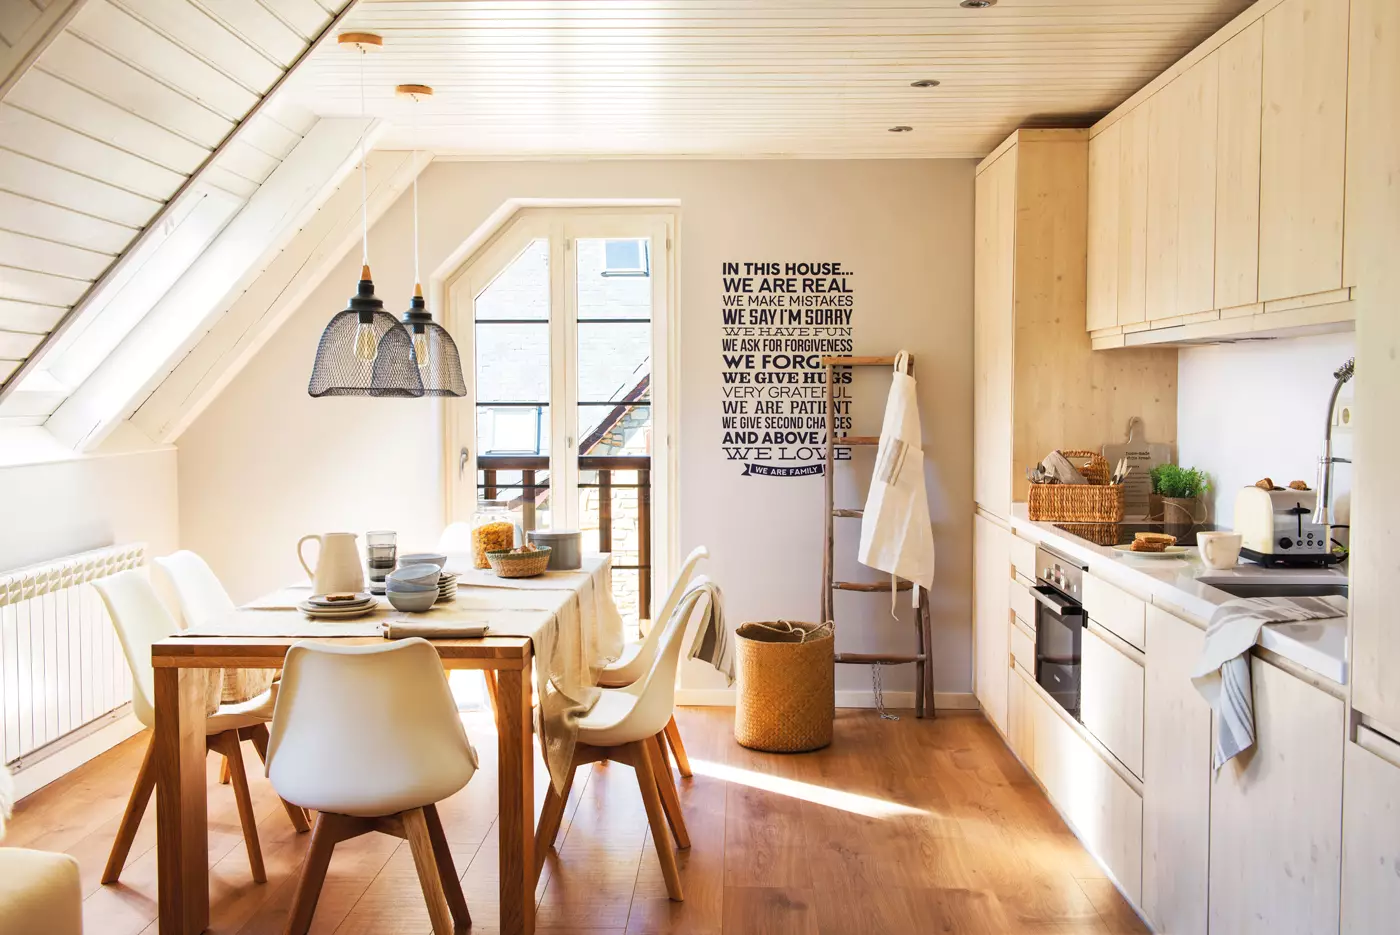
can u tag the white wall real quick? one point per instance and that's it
(1256, 409)
(265, 464)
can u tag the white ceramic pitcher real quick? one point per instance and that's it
(338, 568)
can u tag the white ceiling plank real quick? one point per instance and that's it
(7, 367)
(27, 316)
(24, 285)
(307, 17)
(104, 26)
(18, 57)
(46, 256)
(17, 345)
(22, 175)
(195, 30)
(216, 176)
(42, 139)
(27, 216)
(289, 113)
(234, 259)
(266, 134)
(16, 16)
(256, 314)
(68, 105)
(257, 26)
(247, 161)
(110, 78)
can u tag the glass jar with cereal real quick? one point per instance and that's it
(493, 529)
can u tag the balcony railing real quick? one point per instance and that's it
(533, 486)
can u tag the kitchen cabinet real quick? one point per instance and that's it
(1105, 158)
(991, 614)
(1111, 696)
(1165, 112)
(1371, 836)
(1132, 217)
(1303, 148)
(1176, 780)
(1240, 110)
(1115, 609)
(1037, 383)
(1198, 102)
(1276, 815)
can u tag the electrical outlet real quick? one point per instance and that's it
(1344, 416)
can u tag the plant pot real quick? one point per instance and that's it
(1181, 514)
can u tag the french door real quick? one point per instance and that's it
(563, 321)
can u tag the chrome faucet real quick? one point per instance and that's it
(1322, 516)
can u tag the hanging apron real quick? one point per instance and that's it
(896, 535)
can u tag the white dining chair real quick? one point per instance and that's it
(637, 657)
(626, 726)
(140, 619)
(369, 737)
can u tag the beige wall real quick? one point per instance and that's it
(265, 464)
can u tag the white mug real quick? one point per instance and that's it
(1219, 549)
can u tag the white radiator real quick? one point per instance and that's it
(61, 666)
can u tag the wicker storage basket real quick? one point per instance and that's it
(508, 564)
(1095, 502)
(787, 686)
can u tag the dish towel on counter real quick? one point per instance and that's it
(713, 642)
(896, 535)
(1222, 672)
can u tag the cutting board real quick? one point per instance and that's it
(1142, 456)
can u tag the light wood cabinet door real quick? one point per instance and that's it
(1104, 161)
(1303, 148)
(1276, 815)
(1164, 113)
(1196, 173)
(1111, 698)
(1132, 217)
(1240, 106)
(993, 334)
(992, 614)
(1371, 839)
(1176, 780)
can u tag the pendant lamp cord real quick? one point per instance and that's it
(364, 173)
(417, 280)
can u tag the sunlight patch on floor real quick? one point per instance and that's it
(818, 795)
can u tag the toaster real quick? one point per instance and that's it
(1277, 527)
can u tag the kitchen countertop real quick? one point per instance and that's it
(1173, 584)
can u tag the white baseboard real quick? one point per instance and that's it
(944, 701)
(39, 773)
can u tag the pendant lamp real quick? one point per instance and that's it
(433, 348)
(365, 351)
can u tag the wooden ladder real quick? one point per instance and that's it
(923, 689)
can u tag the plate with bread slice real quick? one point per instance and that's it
(1153, 545)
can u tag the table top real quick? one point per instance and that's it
(259, 652)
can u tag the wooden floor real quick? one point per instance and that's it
(915, 827)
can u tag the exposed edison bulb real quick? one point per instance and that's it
(366, 347)
(420, 347)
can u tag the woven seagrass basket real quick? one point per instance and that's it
(787, 686)
(1095, 502)
(508, 564)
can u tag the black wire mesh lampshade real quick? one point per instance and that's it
(365, 351)
(434, 350)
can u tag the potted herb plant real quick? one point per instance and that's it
(1181, 491)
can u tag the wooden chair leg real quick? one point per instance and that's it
(131, 818)
(415, 826)
(259, 737)
(313, 874)
(670, 800)
(225, 777)
(551, 817)
(491, 693)
(660, 836)
(447, 869)
(673, 737)
(228, 744)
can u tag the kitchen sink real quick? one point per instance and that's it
(1276, 588)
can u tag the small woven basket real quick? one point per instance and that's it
(1095, 502)
(786, 700)
(508, 564)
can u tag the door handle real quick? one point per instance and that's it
(463, 459)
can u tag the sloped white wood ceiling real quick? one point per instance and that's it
(120, 109)
(749, 77)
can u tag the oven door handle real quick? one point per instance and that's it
(1059, 606)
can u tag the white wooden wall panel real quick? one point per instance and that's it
(48, 256)
(16, 16)
(257, 25)
(23, 132)
(28, 216)
(28, 316)
(206, 38)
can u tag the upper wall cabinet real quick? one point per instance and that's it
(1216, 195)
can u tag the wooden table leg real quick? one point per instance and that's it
(182, 832)
(517, 801)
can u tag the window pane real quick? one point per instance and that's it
(623, 539)
(512, 430)
(522, 289)
(609, 292)
(614, 430)
(527, 492)
(614, 361)
(512, 362)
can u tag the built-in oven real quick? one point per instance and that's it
(1059, 626)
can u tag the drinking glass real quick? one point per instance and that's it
(381, 553)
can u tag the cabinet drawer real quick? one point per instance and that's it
(1116, 610)
(1023, 557)
(1111, 699)
(1023, 648)
(1023, 603)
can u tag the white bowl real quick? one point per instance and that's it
(423, 558)
(416, 574)
(408, 587)
(412, 602)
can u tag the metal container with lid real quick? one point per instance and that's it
(566, 546)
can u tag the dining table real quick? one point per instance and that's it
(532, 624)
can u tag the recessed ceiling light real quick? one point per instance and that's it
(901, 129)
(977, 4)
(925, 83)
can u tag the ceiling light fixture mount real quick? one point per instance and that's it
(901, 128)
(977, 4)
(925, 83)
(414, 92)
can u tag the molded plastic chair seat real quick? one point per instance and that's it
(39, 892)
(244, 714)
(637, 657)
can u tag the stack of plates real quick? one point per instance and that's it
(447, 587)
(319, 608)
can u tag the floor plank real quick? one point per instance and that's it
(902, 827)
